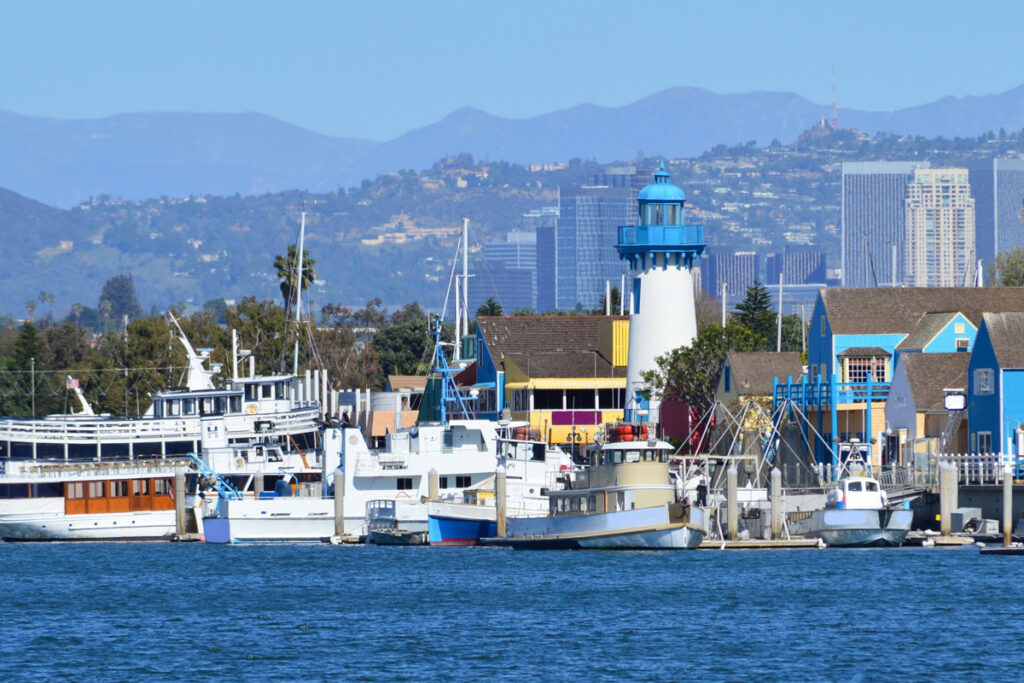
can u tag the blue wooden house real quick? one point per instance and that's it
(854, 339)
(995, 393)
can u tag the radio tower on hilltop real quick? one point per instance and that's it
(834, 109)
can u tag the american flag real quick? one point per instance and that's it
(72, 383)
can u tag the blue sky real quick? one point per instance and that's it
(376, 70)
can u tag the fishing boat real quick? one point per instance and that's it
(533, 468)
(84, 476)
(856, 512)
(624, 499)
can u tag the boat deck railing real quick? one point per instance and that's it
(145, 429)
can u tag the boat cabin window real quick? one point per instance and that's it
(442, 482)
(632, 456)
(404, 484)
(853, 486)
(592, 504)
(870, 486)
(173, 408)
(462, 482)
(162, 487)
(279, 390)
(96, 489)
(574, 504)
(118, 489)
(140, 487)
(76, 491)
(266, 390)
(14, 490)
(236, 404)
(188, 406)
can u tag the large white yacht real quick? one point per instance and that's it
(87, 476)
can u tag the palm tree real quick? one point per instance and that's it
(286, 268)
(489, 307)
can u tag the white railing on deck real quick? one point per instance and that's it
(980, 468)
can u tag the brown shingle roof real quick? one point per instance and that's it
(864, 352)
(753, 371)
(533, 334)
(928, 326)
(1006, 330)
(892, 310)
(565, 364)
(929, 373)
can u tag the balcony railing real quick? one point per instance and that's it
(827, 393)
(661, 237)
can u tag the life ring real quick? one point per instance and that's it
(240, 462)
(252, 410)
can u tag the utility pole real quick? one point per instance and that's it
(778, 341)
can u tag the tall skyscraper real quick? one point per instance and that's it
(585, 255)
(874, 221)
(507, 272)
(797, 265)
(939, 242)
(737, 270)
(997, 186)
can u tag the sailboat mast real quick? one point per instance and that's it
(298, 292)
(465, 278)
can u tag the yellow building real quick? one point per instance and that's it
(565, 374)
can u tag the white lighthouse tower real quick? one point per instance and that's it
(661, 249)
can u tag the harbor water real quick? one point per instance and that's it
(191, 612)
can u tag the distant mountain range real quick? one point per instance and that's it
(137, 156)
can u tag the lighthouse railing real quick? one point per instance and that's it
(660, 235)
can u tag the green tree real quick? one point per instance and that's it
(119, 295)
(402, 346)
(755, 313)
(616, 301)
(287, 272)
(690, 373)
(1008, 269)
(262, 327)
(490, 307)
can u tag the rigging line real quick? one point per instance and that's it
(85, 371)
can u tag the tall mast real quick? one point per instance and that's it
(465, 278)
(298, 291)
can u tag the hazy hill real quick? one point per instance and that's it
(151, 155)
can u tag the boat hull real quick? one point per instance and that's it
(157, 525)
(459, 524)
(275, 520)
(655, 528)
(845, 528)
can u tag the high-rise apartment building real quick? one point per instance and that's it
(939, 242)
(584, 246)
(997, 186)
(874, 221)
(507, 272)
(738, 270)
(797, 265)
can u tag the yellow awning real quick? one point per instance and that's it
(570, 383)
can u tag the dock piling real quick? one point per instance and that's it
(339, 503)
(1007, 506)
(947, 483)
(733, 508)
(179, 503)
(776, 503)
(433, 484)
(499, 499)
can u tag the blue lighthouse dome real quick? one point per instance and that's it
(661, 190)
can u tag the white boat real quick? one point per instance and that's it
(90, 477)
(532, 470)
(856, 513)
(624, 499)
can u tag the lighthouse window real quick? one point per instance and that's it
(636, 295)
(657, 214)
(672, 215)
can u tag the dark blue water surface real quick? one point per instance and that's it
(193, 612)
